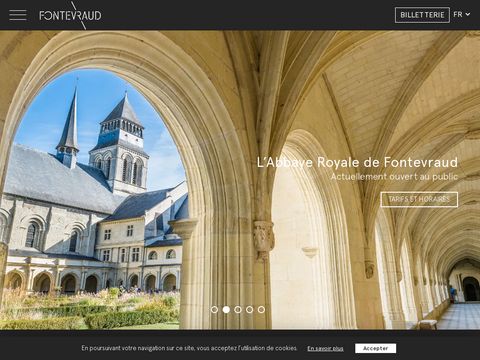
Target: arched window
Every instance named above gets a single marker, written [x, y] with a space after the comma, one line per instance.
[72, 247]
[139, 173]
[171, 254]
[98, 163]
[125, 170]
[134, 177]
[152, 255]
[32, 235]
[108, 165]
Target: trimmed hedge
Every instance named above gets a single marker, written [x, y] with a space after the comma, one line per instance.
[110, 320]
[64, 311]
[61, 323]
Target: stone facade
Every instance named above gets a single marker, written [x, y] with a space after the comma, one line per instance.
[56, 245]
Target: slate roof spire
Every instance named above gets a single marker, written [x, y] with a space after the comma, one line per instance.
[123, 111]
[69, 135]
[67, 147]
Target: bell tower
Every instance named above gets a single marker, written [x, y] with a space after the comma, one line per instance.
[119, 151]
[67, 147]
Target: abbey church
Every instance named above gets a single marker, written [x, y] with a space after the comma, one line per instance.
[74, 227]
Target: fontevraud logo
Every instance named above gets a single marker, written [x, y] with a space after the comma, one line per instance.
[83, 16]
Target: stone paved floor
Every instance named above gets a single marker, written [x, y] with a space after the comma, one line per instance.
[461, 316]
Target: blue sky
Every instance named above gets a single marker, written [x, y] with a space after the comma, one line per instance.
[98, 93]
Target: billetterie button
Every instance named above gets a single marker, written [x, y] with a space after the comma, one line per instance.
[375, 348]
[422, 15]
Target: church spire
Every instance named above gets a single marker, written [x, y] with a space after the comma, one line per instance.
[67, 148]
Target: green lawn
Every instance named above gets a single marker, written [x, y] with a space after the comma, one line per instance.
[161, 326]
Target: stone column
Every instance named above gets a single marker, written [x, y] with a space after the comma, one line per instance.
[3, 267]
[184, 228]
[158, 279]
[264, 242]
[394, 318]
[56, 277]
[83, 278]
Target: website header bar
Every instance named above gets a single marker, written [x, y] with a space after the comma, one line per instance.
[251, 15]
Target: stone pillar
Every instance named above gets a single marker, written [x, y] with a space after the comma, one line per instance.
[179, 279]
[29, 275]
[394, 317]
[83, 278]
[264, 241]
[158, 279]
[56, 277]
[3, 267]
[184, 228]
[222, 265]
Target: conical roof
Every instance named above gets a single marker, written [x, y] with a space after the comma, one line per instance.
[69, 135]
[124, 111]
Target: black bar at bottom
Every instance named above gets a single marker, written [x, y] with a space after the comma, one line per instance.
[291, 344]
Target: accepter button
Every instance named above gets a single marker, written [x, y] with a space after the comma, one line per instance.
[422, 15]
[375, 348]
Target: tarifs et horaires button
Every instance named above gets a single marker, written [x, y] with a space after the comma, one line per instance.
[419, 199]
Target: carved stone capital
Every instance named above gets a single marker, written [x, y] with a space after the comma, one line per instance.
[263, 237]
[184, 227]
[415, 280]
[369, 269]
[399, 276]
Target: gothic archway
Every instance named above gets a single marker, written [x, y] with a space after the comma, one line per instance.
[42, 283]
[69, 284]
[133, 281]
[91, 284]
[310, 242]
[195, 114]
[471, 289]
[150, 283]
[169, 283]
[14, 280]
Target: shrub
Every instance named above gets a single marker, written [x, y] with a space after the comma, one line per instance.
[114, 293]
[135, 300]
[63, 323]
[62, 311]
[169, 301]
[159, 303]
[110, 320]
[77, 310]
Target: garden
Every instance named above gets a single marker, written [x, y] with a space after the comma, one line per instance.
[108, 309]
